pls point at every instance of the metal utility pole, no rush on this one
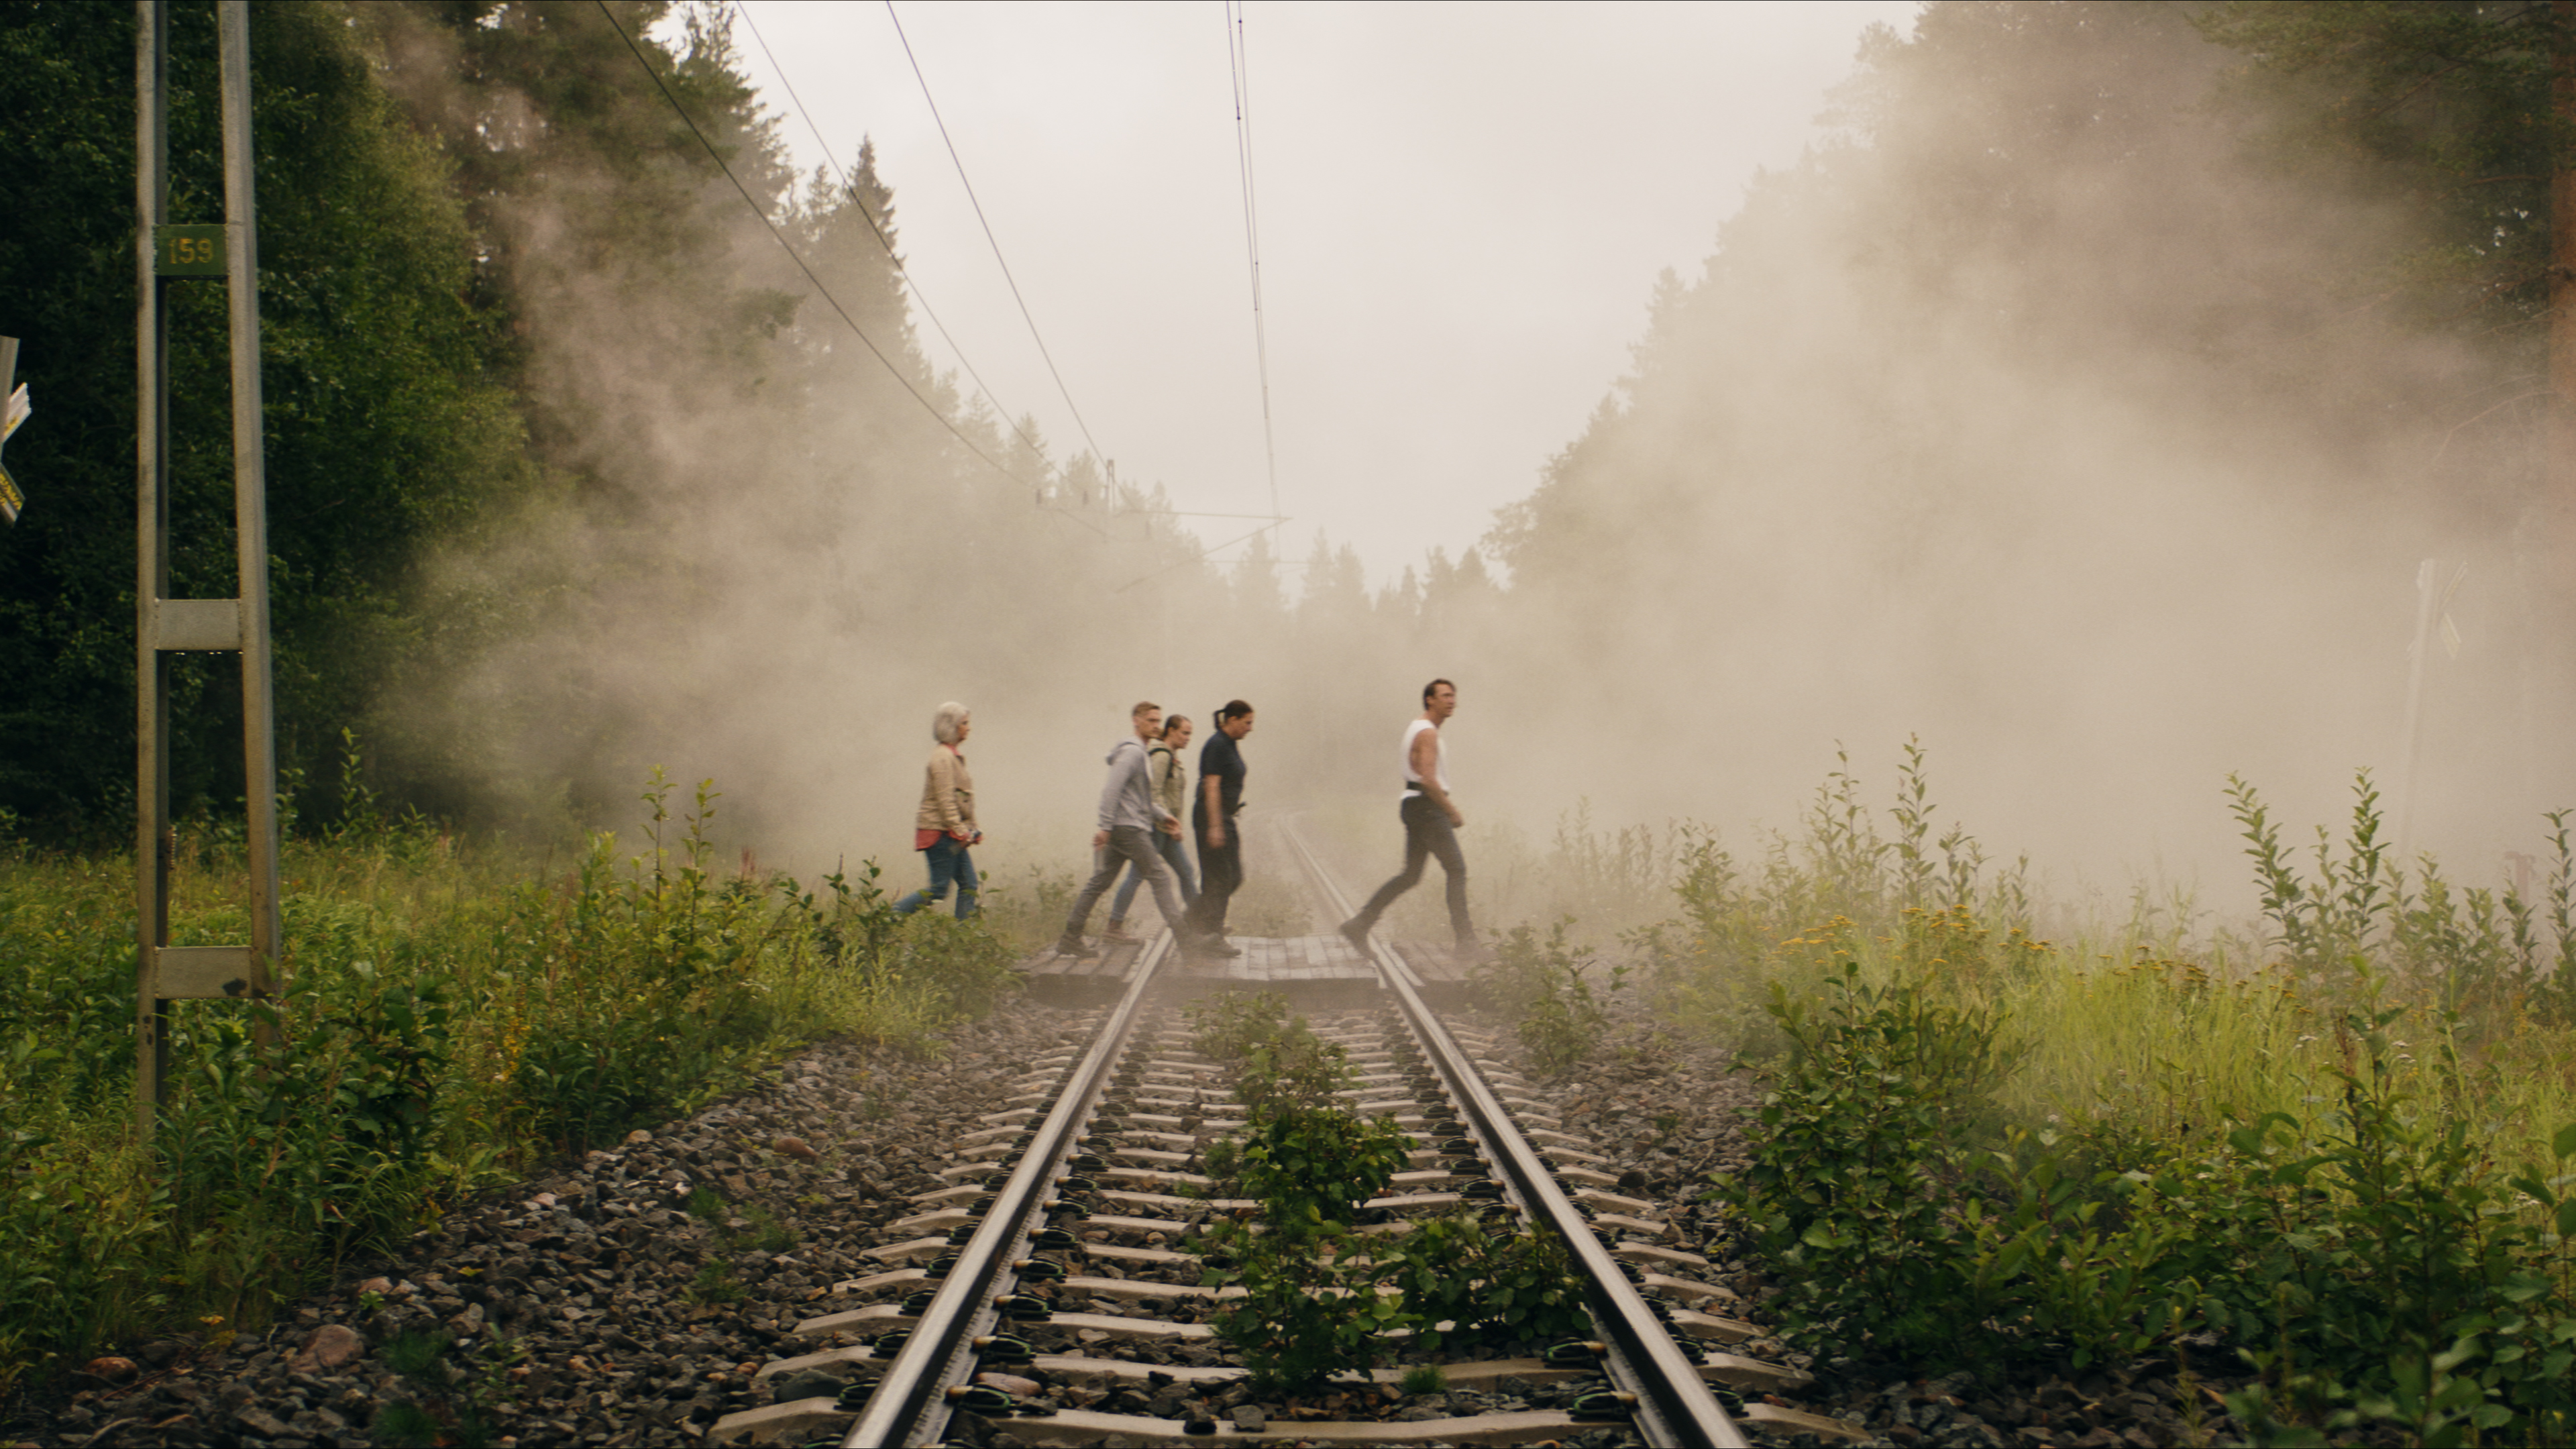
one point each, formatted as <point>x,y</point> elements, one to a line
<point>163,254</point>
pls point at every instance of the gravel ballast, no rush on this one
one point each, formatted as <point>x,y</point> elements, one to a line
<point>636,1321</point>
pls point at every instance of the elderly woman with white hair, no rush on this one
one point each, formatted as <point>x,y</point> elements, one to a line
<point>945,825</point>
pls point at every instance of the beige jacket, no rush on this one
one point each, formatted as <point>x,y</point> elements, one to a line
<point>947,794</point>
<point>1171,778</point>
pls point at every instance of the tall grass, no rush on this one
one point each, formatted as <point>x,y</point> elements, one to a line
<point>450,1018</point>
<point>2336,1139</point>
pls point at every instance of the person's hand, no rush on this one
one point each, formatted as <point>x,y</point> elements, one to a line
<point>1455,819</point>
<point>1171,828</point>
<point>1100,840</point>
<point>1216,834</point>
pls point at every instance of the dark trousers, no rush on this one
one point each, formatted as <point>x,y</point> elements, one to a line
<point>1175,855</point>
<point>1220,876</point>
<point>1128,845</point>
<point>1427,833</point>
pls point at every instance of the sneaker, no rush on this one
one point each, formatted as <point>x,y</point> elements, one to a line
<point>1356,934</point>
<point>1075,949</point>
<point>1219,946</point>
<point>1116,935</point>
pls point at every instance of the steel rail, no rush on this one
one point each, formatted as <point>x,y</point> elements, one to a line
<point>1674,1407</point>
<point>910,1405</point>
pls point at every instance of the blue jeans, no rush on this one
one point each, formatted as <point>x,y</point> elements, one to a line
<point>1175,855</point>
<point>948,862</point>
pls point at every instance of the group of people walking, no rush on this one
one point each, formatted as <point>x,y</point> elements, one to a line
<point>1139,829</point>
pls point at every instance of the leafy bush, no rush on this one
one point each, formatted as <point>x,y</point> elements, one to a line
<point>442,1022</point>
<point>1314,1303</point>
<point>2374,1260</point>
<point>1491,1284</point>
<point>1278,1061</point>
<point>1308,1307</point>
<point>1849,1189</point>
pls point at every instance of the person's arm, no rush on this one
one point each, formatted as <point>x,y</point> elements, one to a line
<point>1167,818</point>
<point>1118,771</point>
<point>1425,759</point>
<point>943,790</point>
<point>1212,791</point>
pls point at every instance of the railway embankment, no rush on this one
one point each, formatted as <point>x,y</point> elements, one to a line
<point>623,1299</point>
<point>631,1298</point>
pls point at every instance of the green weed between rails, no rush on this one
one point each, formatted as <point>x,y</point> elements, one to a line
<point>1318,1298</point>
<point>2340,1155</point>
<point>448,1021</point>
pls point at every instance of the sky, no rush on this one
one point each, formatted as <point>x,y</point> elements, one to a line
<point>1462,212</point>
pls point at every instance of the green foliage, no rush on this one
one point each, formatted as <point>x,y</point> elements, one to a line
<point>647,991</point>
<point>1313,1304</point>
<point>450,1394</point>
<point>1865,1128</point>
<point>443,1022</point>
<point>1308,1308</point>
<point>1225,1026</point>
<point>1543,987</point>
<point>715,1283</point>
<point>384,427</point>
<point>1744,930</point>
<point>1490,1284</point>
<point>1277,1063</point>
<point>2374,1260</point>
<point>2446,106</point>
<point>2470,950</point>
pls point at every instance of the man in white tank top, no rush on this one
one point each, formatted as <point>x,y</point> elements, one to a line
<point>1431,822</point>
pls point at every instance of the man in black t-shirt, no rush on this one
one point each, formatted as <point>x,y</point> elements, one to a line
<point>1212,812</point>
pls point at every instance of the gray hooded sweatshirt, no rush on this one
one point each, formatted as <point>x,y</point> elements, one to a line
<point>1128,798</point>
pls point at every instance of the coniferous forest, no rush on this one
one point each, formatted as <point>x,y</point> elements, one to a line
<point>2102,374</point>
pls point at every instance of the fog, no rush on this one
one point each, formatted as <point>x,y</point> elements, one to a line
<point>2031,414</point>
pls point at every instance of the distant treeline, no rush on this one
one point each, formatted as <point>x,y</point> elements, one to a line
<point>2100,346</point>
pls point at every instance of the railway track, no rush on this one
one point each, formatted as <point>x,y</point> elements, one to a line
<point>1067,1197</point>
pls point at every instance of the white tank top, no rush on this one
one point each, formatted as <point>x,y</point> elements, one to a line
<point>1439,759</point>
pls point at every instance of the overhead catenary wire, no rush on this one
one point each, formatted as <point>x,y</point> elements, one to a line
<point>1239,63</point>
<point>995,242</point>
<point>851,189</point>
<point>1205,552</point>
<point>920,297</point>
<point>792,255</point>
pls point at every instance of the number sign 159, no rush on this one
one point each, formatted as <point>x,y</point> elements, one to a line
<point>188,251</point>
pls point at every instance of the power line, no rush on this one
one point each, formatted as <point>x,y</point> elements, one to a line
<point>1061,389</point>
<point>887,242</point>
<point>1239,63</point>
<point>1205,553</point>
<point>825,292</point>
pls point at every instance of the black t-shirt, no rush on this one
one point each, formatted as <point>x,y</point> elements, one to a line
<point>1219,760</point>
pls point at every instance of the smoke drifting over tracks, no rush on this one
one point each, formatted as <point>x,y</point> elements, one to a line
<point>710,1280</point>
<point>1046,1294</point>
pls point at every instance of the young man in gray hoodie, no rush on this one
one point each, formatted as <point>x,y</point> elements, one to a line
<point>1129,815</point>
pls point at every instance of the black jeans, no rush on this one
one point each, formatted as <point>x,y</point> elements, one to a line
<point>1220,876</point>
<point>1427,832</point>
